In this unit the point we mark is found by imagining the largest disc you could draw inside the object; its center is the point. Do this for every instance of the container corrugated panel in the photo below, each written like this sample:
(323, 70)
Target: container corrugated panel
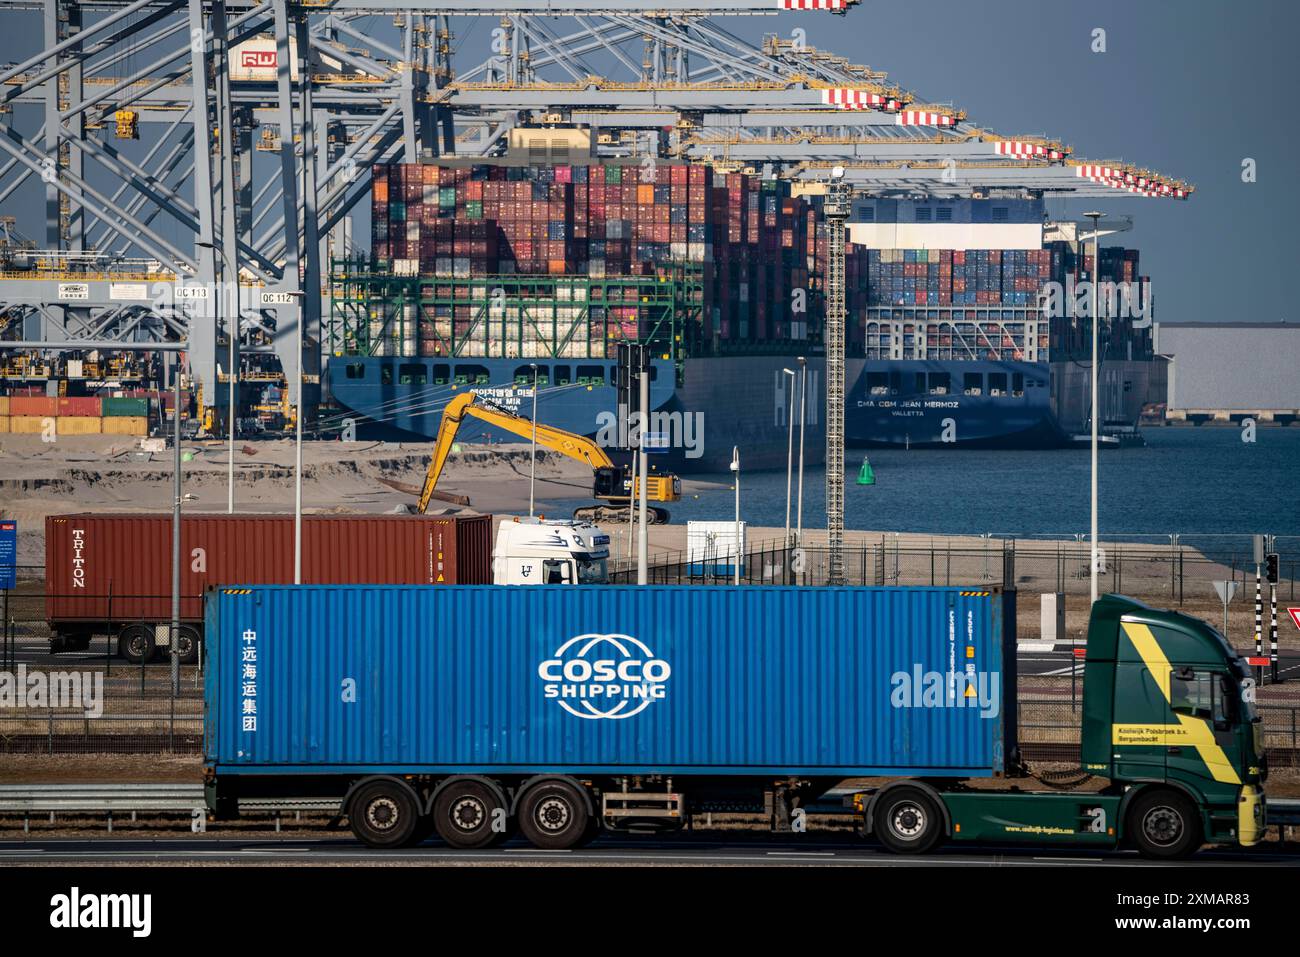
(604, 679)
(125, 405)
(36, 405)
(474, 550)
(30, 424)
(83, 405)
(78, 425)
(124, 425)
(118, 567)
(4, 405)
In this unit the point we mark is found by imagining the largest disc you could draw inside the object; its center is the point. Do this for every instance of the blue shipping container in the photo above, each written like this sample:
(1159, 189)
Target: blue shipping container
(683, 680)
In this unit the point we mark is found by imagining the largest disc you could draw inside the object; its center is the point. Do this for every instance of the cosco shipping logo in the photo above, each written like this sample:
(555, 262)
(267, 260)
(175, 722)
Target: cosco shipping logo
(604, 676)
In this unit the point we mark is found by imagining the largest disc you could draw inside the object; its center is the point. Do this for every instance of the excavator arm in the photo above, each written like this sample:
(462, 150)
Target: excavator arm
(566, 443)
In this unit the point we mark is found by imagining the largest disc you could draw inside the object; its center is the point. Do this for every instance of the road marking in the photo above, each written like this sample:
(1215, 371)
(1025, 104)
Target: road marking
(274, 850)
(1072, 669)
(800, 853)
(537, 850)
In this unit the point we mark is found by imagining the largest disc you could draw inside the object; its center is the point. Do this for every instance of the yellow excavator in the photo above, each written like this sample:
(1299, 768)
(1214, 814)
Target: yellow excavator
(615, 490)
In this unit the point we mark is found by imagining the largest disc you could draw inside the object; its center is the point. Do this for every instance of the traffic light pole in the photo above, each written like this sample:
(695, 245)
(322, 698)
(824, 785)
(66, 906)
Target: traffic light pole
(1271, 572)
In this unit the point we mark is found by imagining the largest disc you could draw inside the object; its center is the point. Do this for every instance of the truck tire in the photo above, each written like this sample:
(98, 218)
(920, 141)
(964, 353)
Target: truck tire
(464, 812)
(187, 644)
(553, 815)
(136, 644)
(384, 814)
(906, 821)
(1164, 825)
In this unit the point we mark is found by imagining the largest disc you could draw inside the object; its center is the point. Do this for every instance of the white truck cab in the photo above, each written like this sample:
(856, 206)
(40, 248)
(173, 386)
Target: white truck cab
(532, 551)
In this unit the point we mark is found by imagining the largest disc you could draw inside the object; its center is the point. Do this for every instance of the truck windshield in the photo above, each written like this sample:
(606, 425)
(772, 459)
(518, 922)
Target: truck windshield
(592, 571)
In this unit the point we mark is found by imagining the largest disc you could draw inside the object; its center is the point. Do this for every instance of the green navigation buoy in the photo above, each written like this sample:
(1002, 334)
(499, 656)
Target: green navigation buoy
(865, 475)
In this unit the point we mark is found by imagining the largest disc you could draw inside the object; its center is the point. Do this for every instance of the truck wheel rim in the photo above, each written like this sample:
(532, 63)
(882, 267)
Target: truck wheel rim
(382, 814)
(908, 820)
(468, 814)
(1163, 825)
(553, 814)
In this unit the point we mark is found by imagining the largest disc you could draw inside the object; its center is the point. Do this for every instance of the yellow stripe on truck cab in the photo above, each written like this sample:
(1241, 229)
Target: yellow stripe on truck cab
(1192, 732)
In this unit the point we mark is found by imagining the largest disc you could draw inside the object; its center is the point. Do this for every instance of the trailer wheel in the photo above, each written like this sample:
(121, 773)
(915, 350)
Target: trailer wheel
(553, 816)
(383, 814)
(135, 643)
(187, 645)
(907, 822)
(464, 814)
(1164, 825)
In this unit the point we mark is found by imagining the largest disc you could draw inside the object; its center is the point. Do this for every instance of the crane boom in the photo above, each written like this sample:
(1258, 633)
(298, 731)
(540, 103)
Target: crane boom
(666, 488)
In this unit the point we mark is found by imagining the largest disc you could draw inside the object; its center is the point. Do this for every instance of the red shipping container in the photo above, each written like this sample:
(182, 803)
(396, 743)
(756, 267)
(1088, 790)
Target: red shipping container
(33, 405)
(118, 567)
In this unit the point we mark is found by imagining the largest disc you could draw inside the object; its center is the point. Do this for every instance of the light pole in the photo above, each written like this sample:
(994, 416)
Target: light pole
(297, 468)
(803, 421)
(643, 405)
(175, 629)
(735, 471)
(789, 463)
(532, 465)
(231, 413)
(1096, 288)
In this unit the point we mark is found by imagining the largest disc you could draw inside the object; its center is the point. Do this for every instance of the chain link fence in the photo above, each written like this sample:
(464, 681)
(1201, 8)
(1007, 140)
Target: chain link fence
(1173, 572)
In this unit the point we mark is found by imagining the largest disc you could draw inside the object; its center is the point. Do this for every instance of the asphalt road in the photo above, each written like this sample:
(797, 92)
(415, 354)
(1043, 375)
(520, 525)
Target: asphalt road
(1062, 662)
(621, 851)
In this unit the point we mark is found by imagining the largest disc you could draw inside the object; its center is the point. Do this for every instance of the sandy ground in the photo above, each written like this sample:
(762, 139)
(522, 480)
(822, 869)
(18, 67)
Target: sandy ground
(110, 473)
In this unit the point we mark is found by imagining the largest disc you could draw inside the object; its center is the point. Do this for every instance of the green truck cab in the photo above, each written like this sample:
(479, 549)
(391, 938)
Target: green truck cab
(1169, 722)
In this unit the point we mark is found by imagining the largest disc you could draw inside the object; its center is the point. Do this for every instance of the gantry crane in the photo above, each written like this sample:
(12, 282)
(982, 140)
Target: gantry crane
(329, 97)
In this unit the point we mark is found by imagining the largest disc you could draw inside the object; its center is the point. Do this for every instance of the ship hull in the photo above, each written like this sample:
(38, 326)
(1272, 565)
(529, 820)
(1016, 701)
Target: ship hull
(714, 404)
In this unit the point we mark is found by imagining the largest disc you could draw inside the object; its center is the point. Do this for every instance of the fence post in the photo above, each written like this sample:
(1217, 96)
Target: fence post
(1180, 574)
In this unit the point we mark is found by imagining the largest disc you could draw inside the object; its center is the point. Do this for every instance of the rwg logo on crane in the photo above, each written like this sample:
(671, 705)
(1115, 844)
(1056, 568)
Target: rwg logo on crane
(604, 676)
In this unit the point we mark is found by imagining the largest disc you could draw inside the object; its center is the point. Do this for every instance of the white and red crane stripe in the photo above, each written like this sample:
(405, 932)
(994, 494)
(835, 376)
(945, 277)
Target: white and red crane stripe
(811, 4)
(1022, 148)
(924, 118)
(1129, 182)
(848, 98)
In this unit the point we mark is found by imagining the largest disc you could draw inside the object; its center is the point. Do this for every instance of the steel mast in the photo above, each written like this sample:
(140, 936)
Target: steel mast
(837, 214)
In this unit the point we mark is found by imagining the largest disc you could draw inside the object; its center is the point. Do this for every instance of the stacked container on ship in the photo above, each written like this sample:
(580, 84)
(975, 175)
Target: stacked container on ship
(479, 271)
(962, 319)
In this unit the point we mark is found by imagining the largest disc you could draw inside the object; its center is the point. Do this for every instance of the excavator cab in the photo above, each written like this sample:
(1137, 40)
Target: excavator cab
(609, 481)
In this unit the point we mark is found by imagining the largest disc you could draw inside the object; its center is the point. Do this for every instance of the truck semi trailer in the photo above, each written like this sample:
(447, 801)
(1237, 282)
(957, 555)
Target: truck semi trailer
(111, 574)
(475, 712)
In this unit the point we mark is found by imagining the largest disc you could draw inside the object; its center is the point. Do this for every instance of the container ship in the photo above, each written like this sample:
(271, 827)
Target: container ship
(500, 277)
(977, 332)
